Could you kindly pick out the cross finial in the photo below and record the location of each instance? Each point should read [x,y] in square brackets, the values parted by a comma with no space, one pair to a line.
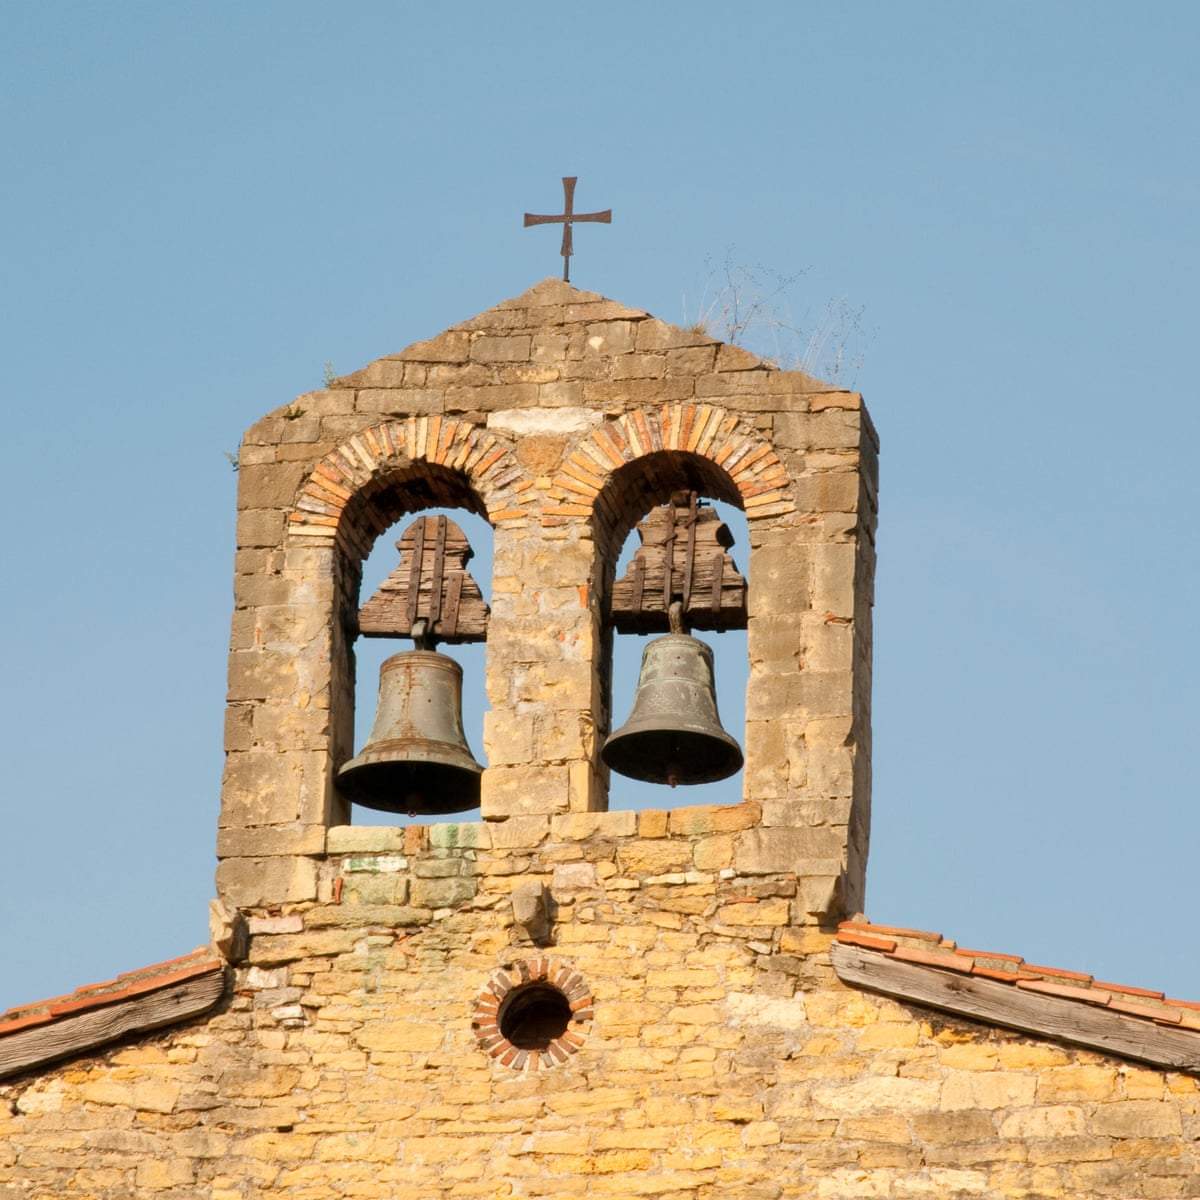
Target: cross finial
[567,217]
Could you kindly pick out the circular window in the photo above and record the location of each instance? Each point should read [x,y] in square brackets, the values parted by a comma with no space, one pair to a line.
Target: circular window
[533,1014]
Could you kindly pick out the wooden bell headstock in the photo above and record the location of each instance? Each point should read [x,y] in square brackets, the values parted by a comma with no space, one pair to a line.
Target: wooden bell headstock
[682,560]
[431,585]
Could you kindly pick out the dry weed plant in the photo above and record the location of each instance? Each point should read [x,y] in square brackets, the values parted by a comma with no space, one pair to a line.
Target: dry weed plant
[751,306]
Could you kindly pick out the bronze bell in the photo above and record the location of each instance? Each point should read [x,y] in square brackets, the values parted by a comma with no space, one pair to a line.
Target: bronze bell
[417,759]
[674,734]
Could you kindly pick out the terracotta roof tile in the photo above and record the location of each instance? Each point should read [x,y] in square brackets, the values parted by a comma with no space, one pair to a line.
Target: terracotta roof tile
[932,950]
[200,961]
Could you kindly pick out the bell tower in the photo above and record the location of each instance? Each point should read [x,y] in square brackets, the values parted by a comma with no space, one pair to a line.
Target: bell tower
[564,420]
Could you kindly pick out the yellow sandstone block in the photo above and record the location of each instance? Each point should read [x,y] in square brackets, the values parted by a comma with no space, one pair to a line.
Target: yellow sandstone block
[668,1110]
[157,1173]
[145,1095]
[736,1108]
[970,1057]
[804,940]
[401,1035]
[713,853]
[774,911]
[1015,1056]
[761,1133]
[1077,1083]
[887,1036]
[876,1129]
[1142,1085]
[633,1139]
[840,1009]
[598,1100]
[1047,1121]
[993,1090]
[551,1143]
[615,1162]
[278,1147]
[696,1014]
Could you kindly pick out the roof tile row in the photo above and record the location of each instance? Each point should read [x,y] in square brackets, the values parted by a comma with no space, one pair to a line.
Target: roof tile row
[932,950]
[96,995]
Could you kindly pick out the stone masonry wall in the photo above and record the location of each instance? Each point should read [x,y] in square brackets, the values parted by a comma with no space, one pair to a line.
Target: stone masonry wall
[564,418]
[718,1054]
[705,1047]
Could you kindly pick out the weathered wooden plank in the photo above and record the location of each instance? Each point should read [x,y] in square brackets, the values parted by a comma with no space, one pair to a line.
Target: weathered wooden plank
[682,556]
[448,622]
[69,1036]
[1073,1021]
[437,571]
[416,561]
[431,583]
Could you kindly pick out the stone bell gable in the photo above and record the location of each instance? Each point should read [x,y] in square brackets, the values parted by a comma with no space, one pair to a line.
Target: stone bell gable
[563,419]
[557,999]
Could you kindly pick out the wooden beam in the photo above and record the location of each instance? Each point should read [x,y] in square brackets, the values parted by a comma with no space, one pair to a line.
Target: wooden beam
[1073,1021]
[72,1035]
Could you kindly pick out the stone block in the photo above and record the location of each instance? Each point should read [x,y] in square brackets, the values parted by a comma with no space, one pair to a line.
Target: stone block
[653,823]
[807,693]
[361,891]
[270,840]
[255,882]
[575,827]
[758,913]
[702,819]
[834,577]
[470,835]
[365,839]
[987,1090]
[260,527]
[519,833]
[1076,1082]
[509,348]
[713,853]
[1136,1119]
[453,346]
[827,492]
[145,1095]
[654,857]
[786,850]
[508,737]
[820,892]
[260,788]
[524,790]
[825,429]
[272,486]
[882,1093]
[443,893]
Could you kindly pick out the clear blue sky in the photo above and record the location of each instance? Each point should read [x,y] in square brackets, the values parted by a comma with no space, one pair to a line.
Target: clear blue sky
[202,203]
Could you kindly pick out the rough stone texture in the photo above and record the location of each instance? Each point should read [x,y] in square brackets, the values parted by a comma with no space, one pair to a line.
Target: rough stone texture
[711,1050]
[563,417]
[723,1056]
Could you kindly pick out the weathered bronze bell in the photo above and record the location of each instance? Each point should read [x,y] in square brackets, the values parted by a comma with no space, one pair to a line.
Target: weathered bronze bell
[417,759]
[674,734]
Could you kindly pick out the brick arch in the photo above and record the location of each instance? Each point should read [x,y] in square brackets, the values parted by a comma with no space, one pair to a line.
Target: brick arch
[447,462]
[678,445]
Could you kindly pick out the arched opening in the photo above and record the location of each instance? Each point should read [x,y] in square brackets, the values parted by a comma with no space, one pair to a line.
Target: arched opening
[636,490]
[378,515]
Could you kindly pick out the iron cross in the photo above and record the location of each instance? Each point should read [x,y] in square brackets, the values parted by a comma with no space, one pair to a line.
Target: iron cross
[567,218]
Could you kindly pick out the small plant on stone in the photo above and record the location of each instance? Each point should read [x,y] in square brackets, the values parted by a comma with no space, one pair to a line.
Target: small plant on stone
[751,306]
[330,375]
